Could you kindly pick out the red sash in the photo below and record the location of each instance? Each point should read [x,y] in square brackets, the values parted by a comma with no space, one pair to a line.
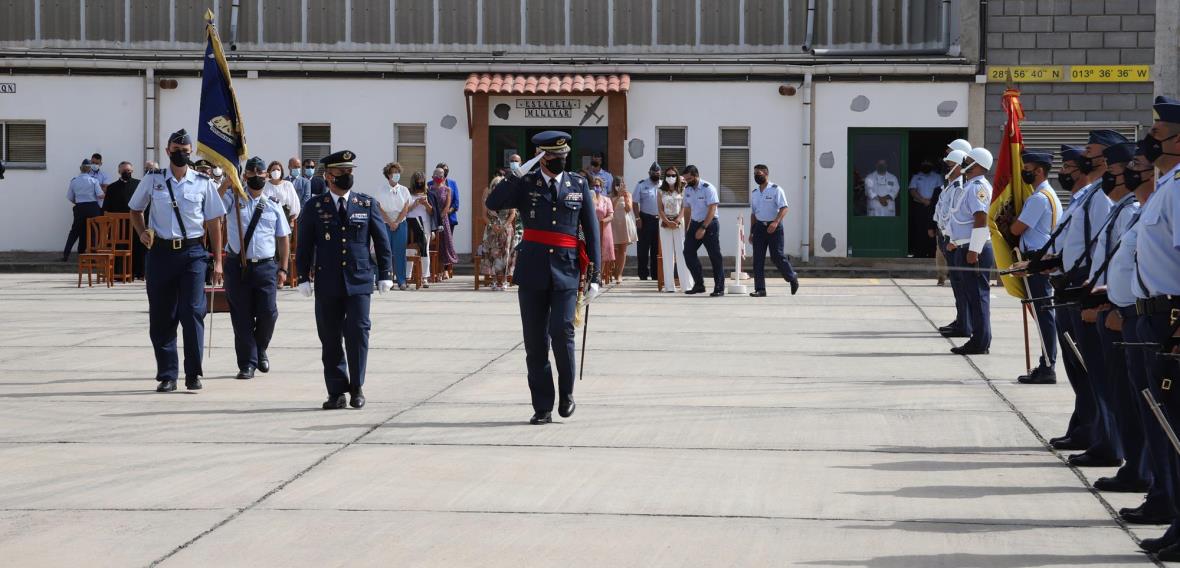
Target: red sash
[553,239]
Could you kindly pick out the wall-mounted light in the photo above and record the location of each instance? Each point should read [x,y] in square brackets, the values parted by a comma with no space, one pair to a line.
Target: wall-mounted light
[786,90]
[168,84]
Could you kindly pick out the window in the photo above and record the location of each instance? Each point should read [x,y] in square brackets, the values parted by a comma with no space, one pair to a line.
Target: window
[410,142]
[734,181]
[671,148]
[22,145]
[315,142]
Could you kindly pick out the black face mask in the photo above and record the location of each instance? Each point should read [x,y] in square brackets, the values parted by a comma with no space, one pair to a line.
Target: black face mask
[343,181]
[1086,165]
[596,163]
[178,158]
[1066,180]
[925,169]
[1028,177]
[654,176]
[125,176]
[1152,147]
[1132,179]
[759,179]
[1109,180]
[255,182]
[555,164]
[880,169]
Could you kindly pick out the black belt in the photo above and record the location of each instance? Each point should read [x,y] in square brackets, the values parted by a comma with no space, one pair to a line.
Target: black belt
[234,258]
[1157,305]
[175,244]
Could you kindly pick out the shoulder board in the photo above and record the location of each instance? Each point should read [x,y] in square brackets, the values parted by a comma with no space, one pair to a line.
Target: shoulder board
[706,184]
[202,175]
[1177,176]
[273,199]
[327,198]
[574,176]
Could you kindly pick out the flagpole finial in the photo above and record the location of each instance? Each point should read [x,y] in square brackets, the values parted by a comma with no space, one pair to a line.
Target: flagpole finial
[208,16]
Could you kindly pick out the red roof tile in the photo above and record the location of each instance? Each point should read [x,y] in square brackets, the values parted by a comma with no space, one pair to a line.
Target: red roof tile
[508,84]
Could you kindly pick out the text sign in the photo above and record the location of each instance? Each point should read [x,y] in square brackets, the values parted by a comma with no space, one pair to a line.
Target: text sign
[547,111]
[1069,73]
[7,88]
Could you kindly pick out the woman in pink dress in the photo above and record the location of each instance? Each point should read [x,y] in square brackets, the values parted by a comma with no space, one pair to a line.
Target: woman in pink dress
[606,213]
[446,242]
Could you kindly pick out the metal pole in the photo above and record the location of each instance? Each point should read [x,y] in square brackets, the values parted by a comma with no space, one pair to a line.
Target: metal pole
[585,331]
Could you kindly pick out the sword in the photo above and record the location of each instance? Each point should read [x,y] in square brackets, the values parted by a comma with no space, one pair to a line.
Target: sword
[209,344]
[1074,347]
[1159,415]
[585,328]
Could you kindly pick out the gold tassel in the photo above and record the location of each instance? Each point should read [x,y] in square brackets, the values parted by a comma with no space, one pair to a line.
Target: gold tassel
[578,311]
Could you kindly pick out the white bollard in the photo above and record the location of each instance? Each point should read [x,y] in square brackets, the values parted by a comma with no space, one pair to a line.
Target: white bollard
[735,285]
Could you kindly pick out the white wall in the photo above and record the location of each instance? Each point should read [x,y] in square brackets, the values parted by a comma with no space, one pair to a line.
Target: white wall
[775,124]
[891,105]
[82,116]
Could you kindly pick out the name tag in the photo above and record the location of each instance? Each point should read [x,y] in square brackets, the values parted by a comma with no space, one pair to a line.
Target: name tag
[573,197]
[360,217]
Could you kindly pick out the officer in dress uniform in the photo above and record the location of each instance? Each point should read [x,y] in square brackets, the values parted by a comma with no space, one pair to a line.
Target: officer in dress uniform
[961,326]
[768,208]
[184,207]
[970,244]
[343,276]
[1038,219]
[554,205]
[1156,282]
[252,286]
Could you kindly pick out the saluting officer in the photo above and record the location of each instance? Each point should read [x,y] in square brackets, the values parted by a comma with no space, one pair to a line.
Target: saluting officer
[1038,219]
[768,208]
[335,230]
[971,246]
[252,286]
[961,326]
[554,205]
[184,207]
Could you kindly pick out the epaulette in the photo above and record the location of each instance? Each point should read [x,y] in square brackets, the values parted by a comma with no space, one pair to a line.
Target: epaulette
[1177,176]
[273,199]
[202,175]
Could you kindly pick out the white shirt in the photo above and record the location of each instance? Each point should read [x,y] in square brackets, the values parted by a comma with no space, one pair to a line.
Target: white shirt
[392,199]
[881,185]
[285,194]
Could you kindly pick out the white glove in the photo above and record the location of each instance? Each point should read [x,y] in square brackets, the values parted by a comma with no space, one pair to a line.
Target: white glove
[591,293]
[305,289]
[384,286]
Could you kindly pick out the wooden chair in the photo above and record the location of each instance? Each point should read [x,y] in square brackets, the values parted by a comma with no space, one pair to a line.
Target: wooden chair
[291,282]
[414,257]
[121,244]
[94,261]
[436,268]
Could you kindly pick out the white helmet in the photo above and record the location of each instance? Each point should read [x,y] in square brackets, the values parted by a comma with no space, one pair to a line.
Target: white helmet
[960,145]
[982,157]
[955,157]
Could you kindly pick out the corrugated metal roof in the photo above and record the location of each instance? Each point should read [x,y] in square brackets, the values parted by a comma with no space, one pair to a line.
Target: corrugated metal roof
[497,84]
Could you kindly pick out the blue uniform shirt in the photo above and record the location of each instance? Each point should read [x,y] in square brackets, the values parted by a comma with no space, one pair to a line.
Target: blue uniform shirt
[970,200]
[647,195]
[699,198]
[1120,275]
[926,184]
[271,224]
[1093,206]
[102,177]
[942,208]
[1109,235]
[196,199]
[1040,212]
[766,203]
[302,188]
[84,188]
[1157,249]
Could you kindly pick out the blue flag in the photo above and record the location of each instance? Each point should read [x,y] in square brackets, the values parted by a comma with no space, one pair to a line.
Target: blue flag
[221,135]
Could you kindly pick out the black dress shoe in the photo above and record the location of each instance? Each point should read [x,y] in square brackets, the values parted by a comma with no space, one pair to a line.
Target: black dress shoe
[953,333]
[1146,518]
[1154,545]
[335,402]
[1091,460]
[263,363]
[950,326]
[192,383]
[166,385]
[1116,485]
[358,399]
[541,418]
[967,349]
[717,293]
[758,294]
[1039,376]
[566,408]
[245,374]
[1169,553]
[700,290]
[1067,443]
[794,285]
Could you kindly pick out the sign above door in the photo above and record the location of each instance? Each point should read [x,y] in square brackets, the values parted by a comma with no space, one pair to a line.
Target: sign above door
[588,111]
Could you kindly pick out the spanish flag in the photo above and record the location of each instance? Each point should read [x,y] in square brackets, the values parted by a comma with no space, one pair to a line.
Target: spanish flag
[1010,192]
[221,135]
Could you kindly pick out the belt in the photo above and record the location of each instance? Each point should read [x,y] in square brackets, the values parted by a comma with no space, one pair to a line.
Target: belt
[961,242]
[562,240]
[1157,305]
[250,260]
[175,244]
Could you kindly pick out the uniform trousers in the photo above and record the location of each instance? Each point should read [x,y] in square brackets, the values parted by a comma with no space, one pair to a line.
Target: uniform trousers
[1160,453]
[712,243]
[82,212]
[343,318]
[761,240]
[253,309]
[176,295]
[1038,287]
[1081,422]
[1104,440]
[547,315]
[1155,328]
[1122,404]
[975,283]
[958,281]
[672,256]
[649,237]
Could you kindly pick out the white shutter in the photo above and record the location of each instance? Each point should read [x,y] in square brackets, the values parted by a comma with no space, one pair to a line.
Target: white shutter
[410,144]
[1049,136]
[734,181]
[24,144]
[315,142]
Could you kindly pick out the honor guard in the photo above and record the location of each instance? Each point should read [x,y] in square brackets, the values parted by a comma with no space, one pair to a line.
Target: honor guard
[184,207]
[768,208]
[970,243]
[554,205]
[961,326]
[258,226]
[335,230]
[1038,219]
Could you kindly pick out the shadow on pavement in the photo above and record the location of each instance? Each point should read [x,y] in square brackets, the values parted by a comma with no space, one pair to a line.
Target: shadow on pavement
[963,560]
[932,465]
[967,491]
[963,526]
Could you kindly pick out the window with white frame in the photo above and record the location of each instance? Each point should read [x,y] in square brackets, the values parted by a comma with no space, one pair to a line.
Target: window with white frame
[315,142]
[410,146]
[672,147]
[22,144]
[734,179]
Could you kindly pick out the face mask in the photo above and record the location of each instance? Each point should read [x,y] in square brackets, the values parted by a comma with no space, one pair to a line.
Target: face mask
[125,176]
[555,164]
[95,167]
[1066,181]
[275,174]
[178,158]
[514,166]
[1153,148]
[218,172]
[880,169]
[437,180]
[596,163]
[1028,177]
[925,169]
[1108,182]
[671,180]
[759,179]
[1086,165]
[598,189]
[308,172]
[395,177]
[255,182]
[343,181]
[1132,179]
[654,176]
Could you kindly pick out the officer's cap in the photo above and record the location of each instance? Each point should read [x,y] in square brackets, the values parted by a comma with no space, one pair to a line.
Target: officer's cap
[1037,157]
[553,141]
[180,137]
[1106,137]
[655,167]
[1167,109]
[1071,153]
[203,163]
[341,159]
[255,164]
[1119,153]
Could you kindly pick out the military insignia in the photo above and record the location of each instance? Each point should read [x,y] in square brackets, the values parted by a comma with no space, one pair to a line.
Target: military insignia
[532,214]
[560,142]
[327,236]
[347,156]
[354,200]
[567,183]
[982,193]
[1177,176]
[573,197]
[158,187]
[539,184]
[360,217]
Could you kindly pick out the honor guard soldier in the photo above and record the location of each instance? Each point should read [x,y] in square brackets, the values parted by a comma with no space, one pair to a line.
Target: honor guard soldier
[971,246]
[251,284]
[185,207]
[1038,219]
[961,326]
[768,208]
[335,230]
[554,206]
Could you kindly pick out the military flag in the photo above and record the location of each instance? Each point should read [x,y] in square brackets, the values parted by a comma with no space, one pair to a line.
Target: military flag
[221,135]
[1009,193]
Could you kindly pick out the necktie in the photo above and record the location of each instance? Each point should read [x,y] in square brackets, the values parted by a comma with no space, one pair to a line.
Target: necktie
[342,212]
[553,189]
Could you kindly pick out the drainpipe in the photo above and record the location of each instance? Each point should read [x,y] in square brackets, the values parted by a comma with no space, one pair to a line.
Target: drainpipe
[944,49]
[981,69]
[807,40]
[808,185]
[150,114]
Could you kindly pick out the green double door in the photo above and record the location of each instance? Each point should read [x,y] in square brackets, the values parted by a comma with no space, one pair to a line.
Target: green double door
[508,140]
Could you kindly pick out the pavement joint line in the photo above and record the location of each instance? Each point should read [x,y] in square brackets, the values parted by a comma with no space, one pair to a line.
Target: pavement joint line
[830,409]
[284,484]
[1041,439]
[702,449]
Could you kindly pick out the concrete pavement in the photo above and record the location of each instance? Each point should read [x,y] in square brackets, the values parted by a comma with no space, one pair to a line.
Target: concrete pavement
[832,428]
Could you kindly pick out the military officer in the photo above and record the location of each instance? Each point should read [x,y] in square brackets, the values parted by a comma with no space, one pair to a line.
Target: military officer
[961,326]
[184,207]
[970,244]
[252,285]
[768,208]
[86,194]
[335,230]
[700,202]
[647,199]
[1038,219]
[554,205]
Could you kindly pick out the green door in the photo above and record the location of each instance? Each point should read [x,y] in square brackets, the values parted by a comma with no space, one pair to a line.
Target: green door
[878,211]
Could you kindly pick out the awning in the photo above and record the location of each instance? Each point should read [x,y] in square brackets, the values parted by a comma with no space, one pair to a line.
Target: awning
[500,84]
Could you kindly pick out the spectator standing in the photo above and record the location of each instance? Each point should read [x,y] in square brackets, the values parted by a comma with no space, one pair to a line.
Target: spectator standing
[452,210]
[446,244]
[396,202]
[118,195]
[596,170]
[623,225]
[606,214]
[672,232]
[498,240]
[281,191]
[422,221]
[300,182]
